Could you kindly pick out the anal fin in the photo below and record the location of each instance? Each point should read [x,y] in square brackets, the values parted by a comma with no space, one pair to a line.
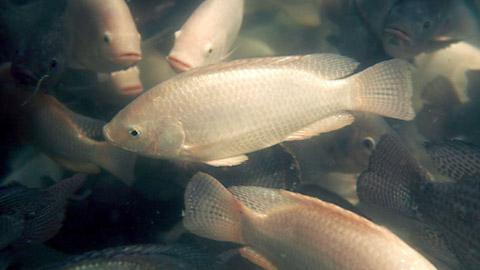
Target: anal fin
[256,258]
[324,125]
[232,161]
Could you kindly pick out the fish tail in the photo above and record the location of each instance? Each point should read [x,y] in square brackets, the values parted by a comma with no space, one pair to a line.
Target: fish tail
[119,162]
[384,89]
[393,177]
[211,211]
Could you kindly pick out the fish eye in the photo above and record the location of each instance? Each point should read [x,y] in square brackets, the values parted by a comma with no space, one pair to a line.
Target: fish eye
[368,143]
[210,51]
[426,25]
[107,38]
[134,133]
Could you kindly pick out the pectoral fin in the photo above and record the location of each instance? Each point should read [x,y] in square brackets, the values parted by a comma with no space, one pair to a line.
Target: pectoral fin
[232,161]
[327,124]
[256,258]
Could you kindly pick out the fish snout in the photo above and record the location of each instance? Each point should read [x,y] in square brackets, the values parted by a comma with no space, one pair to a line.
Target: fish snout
[399,34]
[128,59]
[132,90]
[177,64]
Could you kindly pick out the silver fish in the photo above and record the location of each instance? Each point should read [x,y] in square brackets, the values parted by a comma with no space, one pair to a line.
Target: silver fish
[285,230]
[217,114]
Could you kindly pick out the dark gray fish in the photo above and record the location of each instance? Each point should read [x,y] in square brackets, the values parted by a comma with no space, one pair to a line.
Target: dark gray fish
[396,181]
[141,257]
[274,167]
[30,215]
[36,35]
[456,159]
[410,27]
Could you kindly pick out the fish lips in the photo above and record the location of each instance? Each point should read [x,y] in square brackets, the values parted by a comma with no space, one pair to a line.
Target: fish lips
[132,90]
[177,64]
[127,59]
[398,33]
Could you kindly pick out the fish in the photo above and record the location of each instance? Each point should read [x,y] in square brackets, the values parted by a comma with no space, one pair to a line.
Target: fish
[207,35]
[72,140]
[455,158]
[101,35]
[344,151]
[412,27]
[139,257]
[31,215]
[218,113]
[284,230]
[40,51]
[395,180]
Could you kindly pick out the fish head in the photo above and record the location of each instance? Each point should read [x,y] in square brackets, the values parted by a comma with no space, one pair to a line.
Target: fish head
[126,82]
[117,38]
[40,57]
[155,137]
[194,50]
[413,26]
[120,50]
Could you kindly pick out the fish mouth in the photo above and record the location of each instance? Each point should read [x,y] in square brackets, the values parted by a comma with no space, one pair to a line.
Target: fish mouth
[129,58]
[398,33]
[177,64]
[132,90]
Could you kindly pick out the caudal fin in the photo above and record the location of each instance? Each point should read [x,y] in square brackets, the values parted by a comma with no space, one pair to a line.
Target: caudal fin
[384,89]
[119,162]
[211,211]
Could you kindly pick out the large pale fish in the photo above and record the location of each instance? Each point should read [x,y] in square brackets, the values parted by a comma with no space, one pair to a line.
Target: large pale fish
[102,35]
[207,36]
[217,114]
[285,230]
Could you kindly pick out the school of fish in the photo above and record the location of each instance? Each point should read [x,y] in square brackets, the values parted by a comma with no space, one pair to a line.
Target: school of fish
[240,134]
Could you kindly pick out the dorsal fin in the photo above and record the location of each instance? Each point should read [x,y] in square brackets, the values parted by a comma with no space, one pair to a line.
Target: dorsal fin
[326,66]
[259,199]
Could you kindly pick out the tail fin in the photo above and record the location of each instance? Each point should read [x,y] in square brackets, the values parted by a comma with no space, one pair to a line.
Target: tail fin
[117,161]
[211,211]
[392,178]
[384,89]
